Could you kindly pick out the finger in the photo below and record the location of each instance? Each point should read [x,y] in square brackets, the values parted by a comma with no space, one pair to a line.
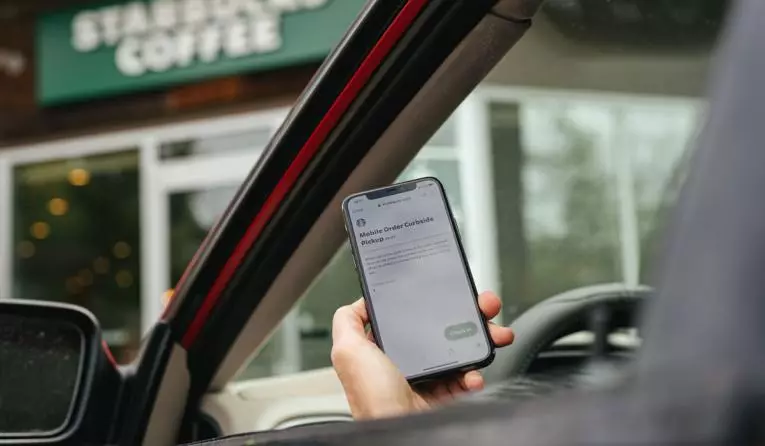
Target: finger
[455,387]
[472,381]
[360,309]
[490,304]
[441,393]
[349,322]
[502,336]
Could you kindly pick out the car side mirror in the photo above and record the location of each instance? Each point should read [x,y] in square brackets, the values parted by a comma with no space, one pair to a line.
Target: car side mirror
[51,362]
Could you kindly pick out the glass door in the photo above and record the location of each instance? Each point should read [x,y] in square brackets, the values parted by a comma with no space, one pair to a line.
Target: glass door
[194,179]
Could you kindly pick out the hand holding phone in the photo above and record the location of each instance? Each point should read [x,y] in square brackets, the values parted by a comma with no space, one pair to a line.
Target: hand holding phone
[375,387]
[419,292]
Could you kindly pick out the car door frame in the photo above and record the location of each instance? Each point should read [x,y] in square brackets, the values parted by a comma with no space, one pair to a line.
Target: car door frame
[415,61]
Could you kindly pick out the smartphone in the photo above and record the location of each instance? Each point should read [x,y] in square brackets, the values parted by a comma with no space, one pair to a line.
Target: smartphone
[420,295]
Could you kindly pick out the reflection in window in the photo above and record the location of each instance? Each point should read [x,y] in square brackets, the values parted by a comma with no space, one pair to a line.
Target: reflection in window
[75,231]
[559,196]
[660,150]
[192,216]
[554,201]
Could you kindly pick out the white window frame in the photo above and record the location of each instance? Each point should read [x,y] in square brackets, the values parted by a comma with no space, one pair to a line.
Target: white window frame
[157,179]
[6,231]
[479,200]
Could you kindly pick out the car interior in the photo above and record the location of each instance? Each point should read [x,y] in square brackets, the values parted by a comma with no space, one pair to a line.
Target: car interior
[364,121]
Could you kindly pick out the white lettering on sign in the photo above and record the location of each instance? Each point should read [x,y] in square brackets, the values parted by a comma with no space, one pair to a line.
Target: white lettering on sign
[12,63]
[85,33]
[110,23]
[161,35]
[135,19]
[163,14]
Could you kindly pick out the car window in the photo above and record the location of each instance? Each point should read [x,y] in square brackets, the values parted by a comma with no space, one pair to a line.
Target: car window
[577,186]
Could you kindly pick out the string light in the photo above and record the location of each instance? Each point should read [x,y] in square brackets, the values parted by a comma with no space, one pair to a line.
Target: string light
[40,230]
[124,278]
[121,250]
[79,177]
[101,265]
[86,277]
[58,206]
[26,249]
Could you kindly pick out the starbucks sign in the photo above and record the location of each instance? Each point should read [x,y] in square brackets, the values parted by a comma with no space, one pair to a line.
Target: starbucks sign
[123,47]
[167,34]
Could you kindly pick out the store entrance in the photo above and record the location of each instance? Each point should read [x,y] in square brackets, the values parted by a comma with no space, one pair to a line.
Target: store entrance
[109,222]
[192,174]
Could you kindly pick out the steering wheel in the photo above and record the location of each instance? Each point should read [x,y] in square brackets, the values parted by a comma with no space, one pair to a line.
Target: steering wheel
[599,309]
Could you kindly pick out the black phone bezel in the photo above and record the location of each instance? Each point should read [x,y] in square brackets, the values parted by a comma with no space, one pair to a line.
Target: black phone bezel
[395,189]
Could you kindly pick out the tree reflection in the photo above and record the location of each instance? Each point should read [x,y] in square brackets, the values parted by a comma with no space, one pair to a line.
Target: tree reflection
[583,247]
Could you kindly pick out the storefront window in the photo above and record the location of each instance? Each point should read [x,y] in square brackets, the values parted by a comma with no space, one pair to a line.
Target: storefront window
[573,178]
[555,200]
[76,239]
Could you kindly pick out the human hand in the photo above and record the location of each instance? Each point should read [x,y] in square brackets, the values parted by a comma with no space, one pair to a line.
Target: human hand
[374,386]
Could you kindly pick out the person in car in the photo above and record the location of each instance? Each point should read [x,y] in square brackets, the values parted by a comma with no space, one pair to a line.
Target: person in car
[374,386]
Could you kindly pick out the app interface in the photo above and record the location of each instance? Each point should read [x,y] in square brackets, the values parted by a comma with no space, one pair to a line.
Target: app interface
[417,283]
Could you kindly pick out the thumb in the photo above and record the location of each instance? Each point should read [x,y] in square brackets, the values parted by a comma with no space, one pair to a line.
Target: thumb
[349,322]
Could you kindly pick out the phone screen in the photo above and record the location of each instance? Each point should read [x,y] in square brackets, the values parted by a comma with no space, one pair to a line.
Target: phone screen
[416,280]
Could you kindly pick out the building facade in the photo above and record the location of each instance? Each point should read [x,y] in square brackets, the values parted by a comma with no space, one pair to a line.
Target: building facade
[127,128]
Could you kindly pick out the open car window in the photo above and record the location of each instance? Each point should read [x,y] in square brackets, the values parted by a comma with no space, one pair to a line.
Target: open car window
[561,190]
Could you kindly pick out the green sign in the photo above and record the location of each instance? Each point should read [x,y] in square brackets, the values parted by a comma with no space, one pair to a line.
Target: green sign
[124,47]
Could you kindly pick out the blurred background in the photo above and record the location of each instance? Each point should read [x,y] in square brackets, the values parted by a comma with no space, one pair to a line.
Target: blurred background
[126,126]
